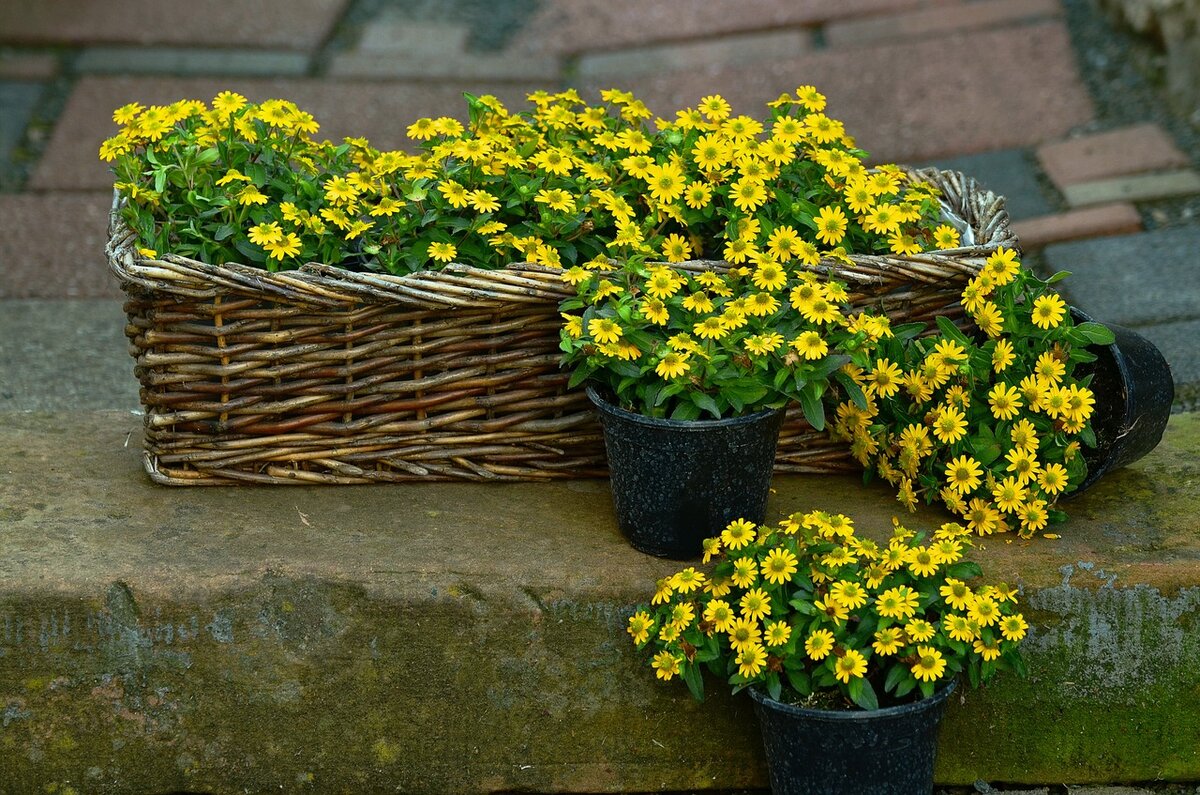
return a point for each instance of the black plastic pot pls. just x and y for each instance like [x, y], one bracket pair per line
[886, 751]
[676, 483]
[1134, 390]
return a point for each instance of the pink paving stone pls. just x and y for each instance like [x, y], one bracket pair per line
[378, 110]
[279, 24]
[1119, 218]
[938, 21]
[913, 100]
[1130, 150]
[52, 246]
[576, 26]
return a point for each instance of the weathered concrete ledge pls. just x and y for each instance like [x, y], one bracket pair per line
[459, 638]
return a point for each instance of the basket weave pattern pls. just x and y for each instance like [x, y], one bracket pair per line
[322, 375]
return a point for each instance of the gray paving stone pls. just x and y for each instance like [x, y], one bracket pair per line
[26, 65]
[65, 356]
[395, 34]
[446, 66]
[438, 26]
[17, 101]
[1178, 343]
[1009, 173]
[190, 61]
[1133, 280]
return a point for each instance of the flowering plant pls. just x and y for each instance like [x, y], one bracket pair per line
[773, 200]
[813, 606]
[991, 423]
[233, 182]
[560, 184]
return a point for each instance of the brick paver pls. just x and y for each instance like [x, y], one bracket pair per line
[280, 24]
[735, 48]
[1137, 187]
[926, 99]
[52, 246]
[938, 21]
[581, 26]
[1120, 218]
[1130, 150]
[378, 110]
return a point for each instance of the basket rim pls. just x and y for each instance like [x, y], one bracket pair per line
[467, 286]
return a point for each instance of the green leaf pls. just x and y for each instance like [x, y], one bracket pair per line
[798, 679]
[706, 403]
[964, 570]
[907, 331]
[1082, 356]
[578, 377]
[1058, 277]
[984, 446]
[952, 331]
[651, 396]
[686, 410]
[694, 680]
[223, 232]
[893, 677]
[863, 694]
[251, 253]
[626, 369]
[774, 686]
[803, 606]
[814, 410]
[1088, 436]
[1096, 333]
[828, 365]
[853, 390]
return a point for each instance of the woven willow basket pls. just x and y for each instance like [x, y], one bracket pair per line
[322, 375]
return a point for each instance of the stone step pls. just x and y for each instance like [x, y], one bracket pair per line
[64, 356]
[470, 638]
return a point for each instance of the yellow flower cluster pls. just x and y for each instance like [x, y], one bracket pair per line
[557, 185]
[989, 425]
[773, 199]
[813, 605]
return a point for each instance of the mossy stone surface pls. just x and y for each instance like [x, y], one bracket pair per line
[470, 638]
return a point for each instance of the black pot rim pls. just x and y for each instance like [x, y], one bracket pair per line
[838, 715]
[602, 404]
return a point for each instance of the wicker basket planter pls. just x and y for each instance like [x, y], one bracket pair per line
[326, 376]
